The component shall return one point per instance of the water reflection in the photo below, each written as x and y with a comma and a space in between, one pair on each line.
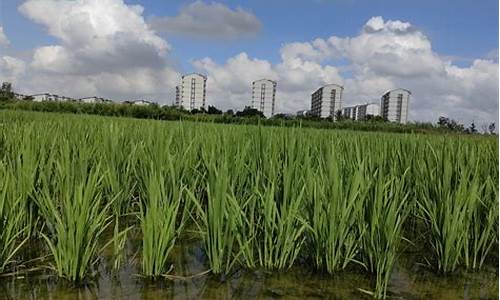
297, 283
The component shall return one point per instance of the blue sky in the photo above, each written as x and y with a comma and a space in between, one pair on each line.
111, 48
463, 29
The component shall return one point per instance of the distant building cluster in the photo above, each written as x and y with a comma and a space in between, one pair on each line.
361, 111
46, 97
326, 101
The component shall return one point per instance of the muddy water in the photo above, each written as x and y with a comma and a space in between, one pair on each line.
409, 281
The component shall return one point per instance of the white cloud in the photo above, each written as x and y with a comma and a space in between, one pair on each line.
105, 48
11, 68
384, 55
213, 20
4, 41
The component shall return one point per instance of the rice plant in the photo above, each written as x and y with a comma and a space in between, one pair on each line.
75, 216
336, 195
13, 229
261, 198
221, 219
158, 219
282, 226
385, 212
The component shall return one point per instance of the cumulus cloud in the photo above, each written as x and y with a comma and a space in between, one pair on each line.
105, 48
384, 55
213, 20
11, 68
4, 41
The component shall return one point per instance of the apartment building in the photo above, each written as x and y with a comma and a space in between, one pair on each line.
327, 101
350, 112
264, 96
368, 109
191, 93
394, 105
361, 111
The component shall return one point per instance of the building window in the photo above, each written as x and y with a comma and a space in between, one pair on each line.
399, 107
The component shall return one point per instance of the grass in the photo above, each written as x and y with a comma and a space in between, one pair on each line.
259, 198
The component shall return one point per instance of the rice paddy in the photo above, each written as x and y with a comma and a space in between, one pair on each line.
81, 196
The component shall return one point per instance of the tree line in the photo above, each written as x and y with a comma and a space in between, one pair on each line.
248, 116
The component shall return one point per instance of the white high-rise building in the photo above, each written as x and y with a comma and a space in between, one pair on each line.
394, 105
350, 112
191, 93
264, 96
327, 101
368, 109
360, 112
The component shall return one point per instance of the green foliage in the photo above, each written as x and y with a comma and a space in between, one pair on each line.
261, 197
13, 229
337, 194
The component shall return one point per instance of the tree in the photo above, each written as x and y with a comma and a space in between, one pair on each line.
443, 121
282, 116
212, 110
491, 128
450, 124
249, 112
230, 112
338, 116
373, 118
195, 111
472, 128
6, 91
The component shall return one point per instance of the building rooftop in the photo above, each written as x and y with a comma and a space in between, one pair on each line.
396, 89
194, 73
265, 79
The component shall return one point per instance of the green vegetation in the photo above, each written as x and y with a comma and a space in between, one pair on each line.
247, 116
257, 197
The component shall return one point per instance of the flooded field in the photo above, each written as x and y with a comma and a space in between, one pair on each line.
190, 281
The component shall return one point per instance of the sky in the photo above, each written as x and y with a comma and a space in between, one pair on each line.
444, 52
